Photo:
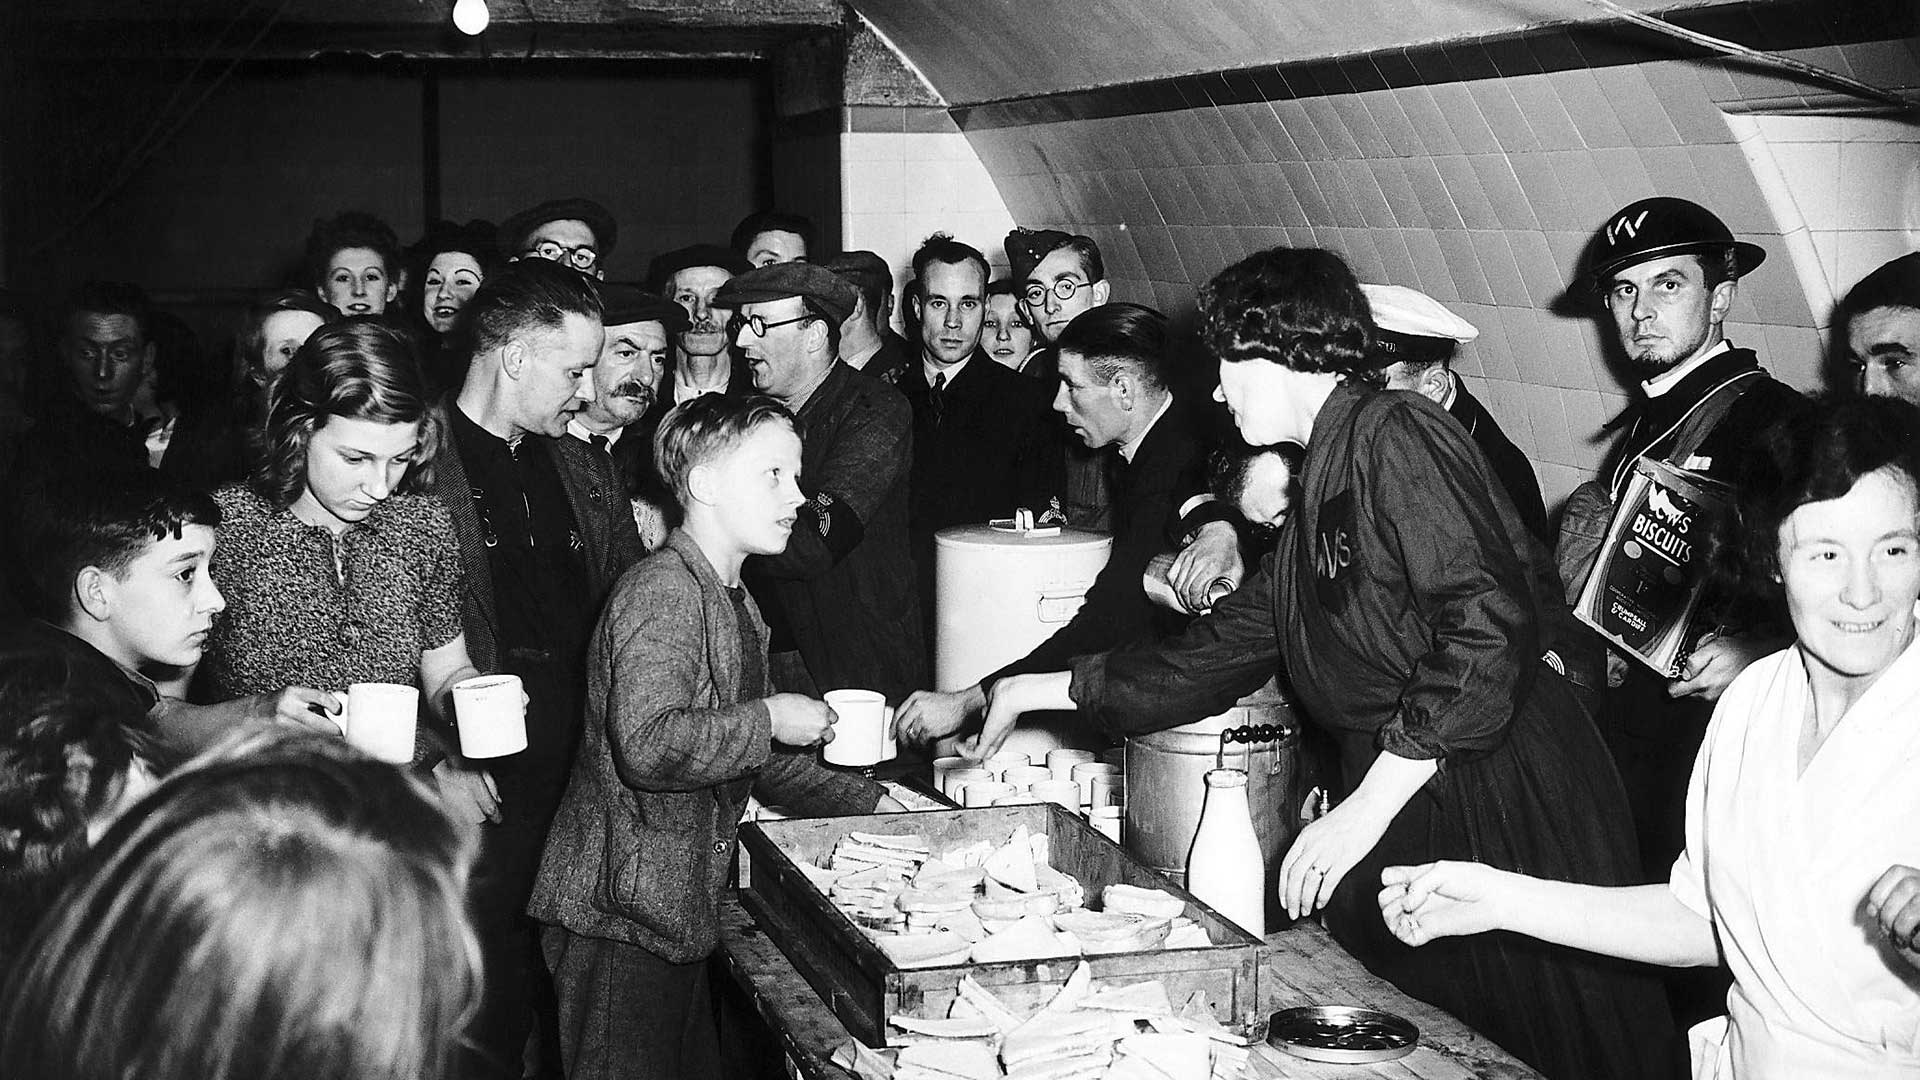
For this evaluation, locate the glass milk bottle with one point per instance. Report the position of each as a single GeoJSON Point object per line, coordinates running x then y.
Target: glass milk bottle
{"type": "Point", "coordinates": [1224, 866]}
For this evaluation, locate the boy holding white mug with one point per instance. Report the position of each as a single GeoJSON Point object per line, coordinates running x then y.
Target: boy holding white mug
{"type": "Point", "coordinates": [682, 726]}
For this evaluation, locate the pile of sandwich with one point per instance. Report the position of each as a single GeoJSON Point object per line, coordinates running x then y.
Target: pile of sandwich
{"type": "Point", "coordinates": [1086, 1032]}
{"type": "Point", "coordinates": [981, 903]}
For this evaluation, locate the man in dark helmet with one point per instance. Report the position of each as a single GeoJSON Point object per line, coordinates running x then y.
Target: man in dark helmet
{"type": "Point", "coordinates": [1666, 271]}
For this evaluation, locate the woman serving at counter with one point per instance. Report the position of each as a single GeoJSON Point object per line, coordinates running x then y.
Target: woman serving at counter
{"type": "Point", "coordinates": [1799, 866]}
{"type": "Point", "coordinates": [1408, 601]}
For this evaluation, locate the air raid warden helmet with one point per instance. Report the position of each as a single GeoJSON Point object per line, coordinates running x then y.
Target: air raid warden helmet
{"type": "Point", "coordinates": [1656, 228]}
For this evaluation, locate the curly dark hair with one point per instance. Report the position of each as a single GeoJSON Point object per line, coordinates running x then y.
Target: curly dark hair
{"type": "Point", "coordinates": [353, 229]}
{"type": "Point", "coordinates": [1297, 307]}
{"type": "Point", "coordinates": [359, 369]}
{"type": "Point", "coordinates": [1811, 457]}
{"type": "Point", "coordinates": [65, 753]}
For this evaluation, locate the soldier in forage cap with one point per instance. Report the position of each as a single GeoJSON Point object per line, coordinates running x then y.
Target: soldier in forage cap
{"type": "Point", "coordinates": [1666, 270]}
{"type": "Point", "coordinates": [1880, 321]}
{"type": "Point", "coordinates": [1419, 335]}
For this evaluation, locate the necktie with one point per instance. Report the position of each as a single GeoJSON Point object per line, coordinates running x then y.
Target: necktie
{"type": "Point", "coordinates": [598, 442]}
{"type": "Point", "coordinates": [938, 398]}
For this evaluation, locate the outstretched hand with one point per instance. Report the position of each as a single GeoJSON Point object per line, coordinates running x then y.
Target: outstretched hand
{"type": "Point", "coordinates": [929, 715]}
{"type": "Point", "coordinates": [1438, 899]}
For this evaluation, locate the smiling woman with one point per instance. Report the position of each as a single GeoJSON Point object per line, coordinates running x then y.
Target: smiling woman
{"type": "Point", "coordinates": [1800, 862]}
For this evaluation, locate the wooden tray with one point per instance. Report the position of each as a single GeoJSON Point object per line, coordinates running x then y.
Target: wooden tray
{"type": "Point", "coordinates": [862, 987]}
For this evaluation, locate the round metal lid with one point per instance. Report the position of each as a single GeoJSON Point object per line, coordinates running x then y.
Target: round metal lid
{"type": "Point", "coordinates": [1342, 1034]}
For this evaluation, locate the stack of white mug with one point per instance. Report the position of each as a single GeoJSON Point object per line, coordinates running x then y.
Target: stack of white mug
{"type": "Point", "coordinates": [1073, 779]}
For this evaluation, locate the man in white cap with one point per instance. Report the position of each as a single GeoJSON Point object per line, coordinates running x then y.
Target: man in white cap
{"type": "Point", "coordinates": [1420, 334]}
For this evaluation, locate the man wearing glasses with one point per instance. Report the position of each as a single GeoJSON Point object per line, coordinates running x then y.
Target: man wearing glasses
{"type": "Point", "coordinates": [573, 232]}
{"type": "Point", "coordinates": [840, 601]}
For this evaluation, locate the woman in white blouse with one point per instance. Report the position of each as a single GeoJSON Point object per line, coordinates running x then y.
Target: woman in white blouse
{"type": "Point", "coordinates": [1802, 842]}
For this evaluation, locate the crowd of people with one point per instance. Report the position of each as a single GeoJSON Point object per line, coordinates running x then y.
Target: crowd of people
{"type": "Point", "coordinates": [681, 510]}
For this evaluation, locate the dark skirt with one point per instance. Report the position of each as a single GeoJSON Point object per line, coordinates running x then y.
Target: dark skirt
{"type": "Point", "coordinates": [1547, 803]}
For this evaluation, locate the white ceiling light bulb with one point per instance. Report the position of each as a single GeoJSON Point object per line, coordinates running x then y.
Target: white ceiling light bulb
{"type": "Point", "coordinates": [470, 17]}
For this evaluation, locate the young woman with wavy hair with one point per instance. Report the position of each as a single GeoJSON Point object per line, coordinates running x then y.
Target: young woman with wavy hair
{"type": "Point", "coordinates": [337, 564]}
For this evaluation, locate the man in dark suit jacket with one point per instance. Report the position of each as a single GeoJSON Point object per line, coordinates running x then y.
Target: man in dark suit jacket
{"type": "Point", "coordinates": [1420, 334]}
{"type": "Point", "coordinates": [544, 531]}
{"type": "Point", "coordinates": [1115, 393]}
{"type": "Point", "coordinates": [982, 434]}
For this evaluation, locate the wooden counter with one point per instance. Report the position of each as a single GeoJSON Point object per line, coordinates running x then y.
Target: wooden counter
{"type": "Point", "coordinates": [1302, 966]}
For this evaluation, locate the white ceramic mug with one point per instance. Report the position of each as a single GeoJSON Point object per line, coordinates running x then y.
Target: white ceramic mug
{"type": "Point", "coordinates": [1064, 792]}
{"type": "Point", "coordinates": [944, 765]}
{"type": "Point", "coordinates": [380, 718]}
{"type": "Point", "coordinates": [1084, 773]}
{"type": "Point", "coordinates": [860, 732]}
{"type": "Point", "coordinates": [984, 792]}
{"type": "Point", "coordinates": [1108, 789]}
{"type": "Point", "coordinates": [1060, 762]}
{"type": "Point", "coordinates": [1023, 777]}
{"type": "Point", "coordinates": [956, 780]}
{"type": "Point", "coordinates": [999, 763]}
{"type": "Point", "coordinates": [1106, 819]}
{"type": "Point", "coordinates": [491, 714]}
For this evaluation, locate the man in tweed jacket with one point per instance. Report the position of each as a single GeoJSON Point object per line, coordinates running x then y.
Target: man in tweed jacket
{"type": "Point", "coordinates": [682, 725]}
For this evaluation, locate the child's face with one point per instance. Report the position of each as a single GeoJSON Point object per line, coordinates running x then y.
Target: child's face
{"type": "Point", "coordinates": [161, 608]}
{"type": "Point", "coordinates": [758, 489]}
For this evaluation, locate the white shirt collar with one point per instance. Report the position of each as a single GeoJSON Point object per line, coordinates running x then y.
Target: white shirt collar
{"type": "Point", "coordinates": [684, 391]}
{"type": "Point", "coordinates": [585, 434]}
{"type": "Point", "coordinates": [951, 371]}
{"type": "Point", "coordinates": [1666, 380]}
{"type": "Point", "coordinates": [1132, 446]}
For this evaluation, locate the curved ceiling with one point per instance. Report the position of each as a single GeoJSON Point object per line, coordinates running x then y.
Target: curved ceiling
{"type": "Point", "coordinates": [985, 50]}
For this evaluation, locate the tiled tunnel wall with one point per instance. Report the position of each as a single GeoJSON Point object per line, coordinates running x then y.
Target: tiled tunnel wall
{"type": "Point", "coordinates": [1476, 172]}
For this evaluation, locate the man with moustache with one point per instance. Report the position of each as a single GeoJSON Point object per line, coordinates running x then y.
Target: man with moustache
{"type": "Point", "coordinates": [544, 531]}
{"type": "Point", "coordinates": [620, 420]}
{"type": "Point", "coordinates": [1666, 271]}
{"type": "Point", "coordinates": [1879, 319]}
{"type": "Point", "coordinates": [703, 360]}
{"type": "Point", "coordinates": [983, 440]}
{"type": "Point", "coordinates": [840, 602]}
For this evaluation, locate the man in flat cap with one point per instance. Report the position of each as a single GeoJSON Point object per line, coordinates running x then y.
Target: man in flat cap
{"type": "Point", "coordinates": [626, 383]}
{"type": "Point", "coordinates": [703, 358]}
{"type": "Point", "coordinates": [1880, 321]}
{"type": "Point", "coordinates": [1666, 271]}
{"type": "Point", "coordinates": [1420, 335]}
{"type": "Point", "coordinates": [840, 601]}
{"type": "Point", "coordinates": [573, 232]}
{"type": "Point", "coordinates": [867, 340]}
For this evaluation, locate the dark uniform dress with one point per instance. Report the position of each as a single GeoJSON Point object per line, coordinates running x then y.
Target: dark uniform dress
{"type": "Point", "coordinates": [1409, 603]}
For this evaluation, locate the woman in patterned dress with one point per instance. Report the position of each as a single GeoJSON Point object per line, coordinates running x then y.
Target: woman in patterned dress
{"type": "Point", "coordinates": [337, 564]}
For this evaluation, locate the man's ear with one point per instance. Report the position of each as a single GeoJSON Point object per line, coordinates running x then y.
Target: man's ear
{"type": "Point", "coordinates": [817, 339]}
{"type": "Point", "coordinates": [93, 590]}
{"type": "Point", "coordinates": [1123, 390]}
{"type": "Point", "coordinates": [1722, 301]}
{"type": "Point", "coordinates": [514, 357]}
{"type": "Point", "coordinates": [1434, 384]}
{"type": "Point", "coordinates": [915, 303]}
{"type": "Point", "coordinates": [1101, 290]}
{"type": "Point", "coordinates": [886, 311]}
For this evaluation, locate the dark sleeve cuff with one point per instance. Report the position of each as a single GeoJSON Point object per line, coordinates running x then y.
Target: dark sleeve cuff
{"type": "Point", "coordinates": [1411, 735]}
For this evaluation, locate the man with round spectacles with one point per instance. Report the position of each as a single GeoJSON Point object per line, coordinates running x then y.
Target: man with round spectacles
{"type": "Point", "coordinates": [576, 232]}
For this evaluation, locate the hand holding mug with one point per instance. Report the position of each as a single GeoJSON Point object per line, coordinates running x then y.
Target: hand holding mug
{"type": "Point", "coordinates": [799, 720]}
